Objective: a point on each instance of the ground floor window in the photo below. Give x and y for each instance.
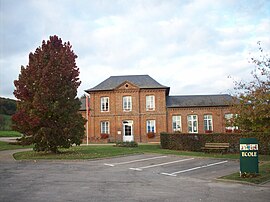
(105, 127)
(208, 123)
(150, 126)
(192, 123)
(176, 123)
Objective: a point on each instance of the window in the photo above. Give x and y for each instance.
(151, 126)
(127, 103)
(104, 128)
(176, 123)
(192, 123)
(150, 102)
(208, 123)
(104, 104)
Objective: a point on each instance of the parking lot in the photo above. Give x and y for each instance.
(146, 177)
(175, 166)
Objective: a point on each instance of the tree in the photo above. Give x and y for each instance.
(47, 110)
(252, 105)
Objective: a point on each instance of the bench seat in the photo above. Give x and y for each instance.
(216, 146)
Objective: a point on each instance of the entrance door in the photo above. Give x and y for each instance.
(128, 131)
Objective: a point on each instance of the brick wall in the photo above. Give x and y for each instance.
(217, 113)
(139, 115)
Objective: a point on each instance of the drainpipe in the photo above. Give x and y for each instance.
(139, 112)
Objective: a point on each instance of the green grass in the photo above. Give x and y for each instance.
(9, 133)
(264, 175)
(92, 152)
(7, 146)
(79, 152)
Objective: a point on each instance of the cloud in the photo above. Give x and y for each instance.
(191, 46)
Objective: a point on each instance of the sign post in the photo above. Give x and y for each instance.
(249, 156)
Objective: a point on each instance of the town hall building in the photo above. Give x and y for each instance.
(138, 108)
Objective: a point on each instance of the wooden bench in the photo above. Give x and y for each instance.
(223, 147)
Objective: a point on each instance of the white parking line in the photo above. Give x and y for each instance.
(138, 160)
(161, 164)
(195, 168)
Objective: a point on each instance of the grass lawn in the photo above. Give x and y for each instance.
(7, 146)
(264, 175)
(92, 152)
(9, 133)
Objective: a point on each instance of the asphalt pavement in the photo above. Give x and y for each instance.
(128, 178)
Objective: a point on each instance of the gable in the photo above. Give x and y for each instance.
(126, 85)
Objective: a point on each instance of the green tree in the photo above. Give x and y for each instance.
(252, 104)
(47, 109)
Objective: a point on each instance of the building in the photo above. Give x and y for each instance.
(138, 108)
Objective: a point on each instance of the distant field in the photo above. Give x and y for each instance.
(9, 133)
(6, 122)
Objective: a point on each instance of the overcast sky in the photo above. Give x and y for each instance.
(191, 46)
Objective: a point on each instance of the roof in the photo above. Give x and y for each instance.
(199, 100)
(141, 81)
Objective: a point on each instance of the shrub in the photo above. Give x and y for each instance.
(194, 142)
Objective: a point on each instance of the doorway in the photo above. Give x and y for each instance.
(128, 131)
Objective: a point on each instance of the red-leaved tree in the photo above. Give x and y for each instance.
(47, 111)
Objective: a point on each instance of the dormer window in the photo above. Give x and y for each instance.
(150, 103)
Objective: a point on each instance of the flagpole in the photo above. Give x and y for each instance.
(86, 103)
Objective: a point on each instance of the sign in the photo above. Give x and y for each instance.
(249, 155)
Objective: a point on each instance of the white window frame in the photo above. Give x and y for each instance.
(150, 126)
(127, 103)
(150, 103)
(105, 127)
(192, 123)
(176, 123)
(104, 104)
(208, 122)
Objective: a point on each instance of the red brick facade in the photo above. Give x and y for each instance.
(138, 117)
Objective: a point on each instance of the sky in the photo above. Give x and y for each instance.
(192, 46)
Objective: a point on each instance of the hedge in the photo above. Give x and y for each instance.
(194, 142)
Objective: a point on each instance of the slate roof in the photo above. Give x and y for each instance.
(199, 100)
(142, 81)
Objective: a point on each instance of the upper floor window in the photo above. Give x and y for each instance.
(150, 102)
(151, 126)
(105, 127)
(104, 104)
(208, 123)
(127, 103)
(192, 123)
(176, 123)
